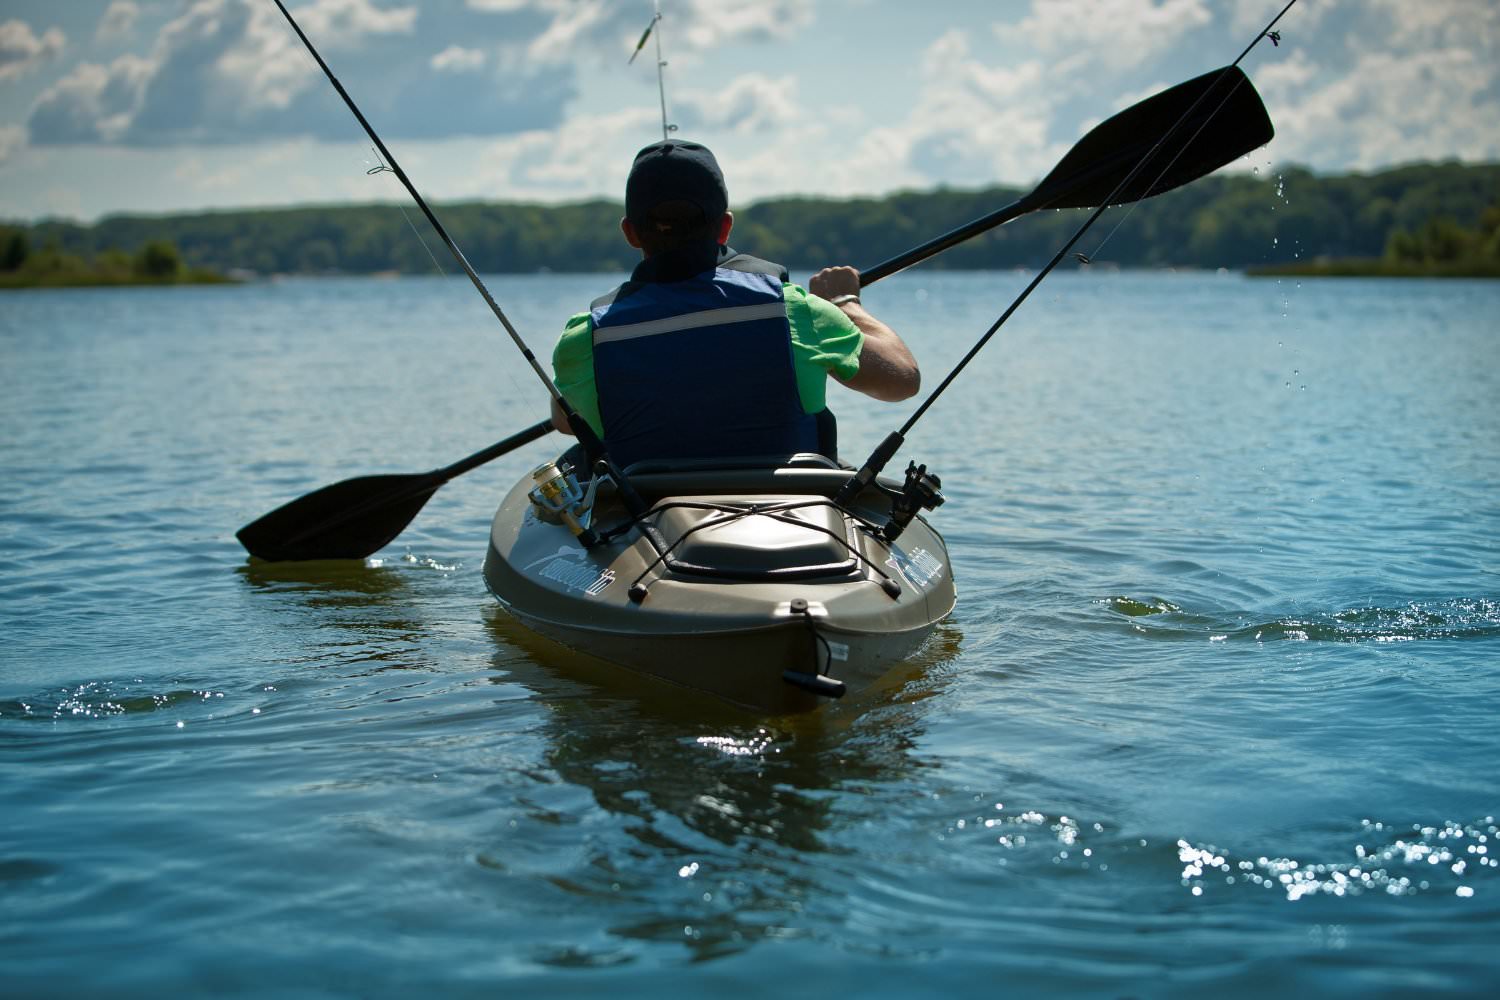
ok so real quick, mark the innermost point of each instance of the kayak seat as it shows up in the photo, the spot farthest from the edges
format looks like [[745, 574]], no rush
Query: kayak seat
[[799, 460]]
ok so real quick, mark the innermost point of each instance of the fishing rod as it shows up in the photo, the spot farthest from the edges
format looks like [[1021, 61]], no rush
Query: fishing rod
[[661, 65], [593, 446], [921, 489]]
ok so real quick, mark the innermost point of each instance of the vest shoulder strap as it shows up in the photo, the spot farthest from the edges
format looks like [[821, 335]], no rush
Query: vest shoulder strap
[[754, 265], [738, 262], [618, 292]]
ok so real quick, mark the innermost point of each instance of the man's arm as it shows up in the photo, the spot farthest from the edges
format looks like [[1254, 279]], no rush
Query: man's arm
[[887, 369]]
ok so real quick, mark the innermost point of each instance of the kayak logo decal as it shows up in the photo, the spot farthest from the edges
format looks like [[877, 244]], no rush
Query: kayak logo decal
[[570, 567], [920, 566]]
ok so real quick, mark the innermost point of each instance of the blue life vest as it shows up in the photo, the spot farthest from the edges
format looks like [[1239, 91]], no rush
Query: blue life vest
[[699, 368]]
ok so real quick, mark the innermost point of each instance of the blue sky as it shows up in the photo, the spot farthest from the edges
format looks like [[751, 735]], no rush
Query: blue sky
[[167, 105]]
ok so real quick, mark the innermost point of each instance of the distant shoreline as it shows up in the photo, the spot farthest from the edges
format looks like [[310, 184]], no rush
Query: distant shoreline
[[10, 282], [1351, 268], [1416, 214]]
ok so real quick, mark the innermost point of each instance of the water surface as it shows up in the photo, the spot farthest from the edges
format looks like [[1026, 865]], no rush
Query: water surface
[[1215, 710]]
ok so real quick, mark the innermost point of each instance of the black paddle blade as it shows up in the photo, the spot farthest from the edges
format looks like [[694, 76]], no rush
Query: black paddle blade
[[348, 520], [1206, 122]]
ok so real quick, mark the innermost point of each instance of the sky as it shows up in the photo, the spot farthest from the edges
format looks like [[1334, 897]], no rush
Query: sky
[[155, 106]]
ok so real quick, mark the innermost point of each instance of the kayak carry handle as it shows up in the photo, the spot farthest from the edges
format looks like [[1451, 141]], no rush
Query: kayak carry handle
[[818, 684]]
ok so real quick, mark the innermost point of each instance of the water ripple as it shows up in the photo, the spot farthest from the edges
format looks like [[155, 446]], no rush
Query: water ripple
[[1457, 618]]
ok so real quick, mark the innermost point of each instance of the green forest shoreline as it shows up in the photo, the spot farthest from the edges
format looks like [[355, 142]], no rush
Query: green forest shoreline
[[1435, 219], [155, 262]]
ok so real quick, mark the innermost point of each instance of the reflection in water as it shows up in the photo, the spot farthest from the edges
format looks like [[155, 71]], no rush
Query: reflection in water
[[352, 582], [358, 611], [726, 828]]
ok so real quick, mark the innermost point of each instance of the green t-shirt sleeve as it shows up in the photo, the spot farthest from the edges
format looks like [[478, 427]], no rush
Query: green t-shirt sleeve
[[824, 340], [573, 369]]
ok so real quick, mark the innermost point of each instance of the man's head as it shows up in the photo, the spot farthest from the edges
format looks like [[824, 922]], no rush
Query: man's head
[[675, 195]]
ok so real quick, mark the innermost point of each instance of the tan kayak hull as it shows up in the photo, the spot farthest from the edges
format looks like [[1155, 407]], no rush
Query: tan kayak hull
[[732, 636]]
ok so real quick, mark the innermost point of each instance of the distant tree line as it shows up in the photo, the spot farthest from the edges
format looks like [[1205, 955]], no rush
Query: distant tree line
[[1235, 221], [154, 262]]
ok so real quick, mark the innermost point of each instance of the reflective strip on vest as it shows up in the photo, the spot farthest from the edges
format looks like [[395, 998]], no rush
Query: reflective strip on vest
[[710, 317]]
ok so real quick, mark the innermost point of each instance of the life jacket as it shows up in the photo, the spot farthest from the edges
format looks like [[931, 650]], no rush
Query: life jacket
[[699, 368]]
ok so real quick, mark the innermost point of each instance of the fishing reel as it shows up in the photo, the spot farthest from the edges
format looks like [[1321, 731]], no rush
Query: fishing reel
[[921, 491], [557, 498]]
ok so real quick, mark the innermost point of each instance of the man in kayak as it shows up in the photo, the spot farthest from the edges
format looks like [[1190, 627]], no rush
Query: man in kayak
[[706, 352]]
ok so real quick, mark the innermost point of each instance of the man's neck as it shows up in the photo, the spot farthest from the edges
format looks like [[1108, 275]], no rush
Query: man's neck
[[681, 263]]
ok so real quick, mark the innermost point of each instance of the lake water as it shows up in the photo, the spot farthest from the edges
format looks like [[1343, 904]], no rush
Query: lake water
[[1216, 712]]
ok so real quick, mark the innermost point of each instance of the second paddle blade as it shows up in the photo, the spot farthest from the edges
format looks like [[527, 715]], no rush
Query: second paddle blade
[[348, 520], [1206, 122]]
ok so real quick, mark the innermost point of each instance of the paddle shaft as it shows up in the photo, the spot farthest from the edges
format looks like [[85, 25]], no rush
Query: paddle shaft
[[936, 246], [494, 451]]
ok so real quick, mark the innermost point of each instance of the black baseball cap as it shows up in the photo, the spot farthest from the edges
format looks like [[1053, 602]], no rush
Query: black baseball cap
[[675, 170]]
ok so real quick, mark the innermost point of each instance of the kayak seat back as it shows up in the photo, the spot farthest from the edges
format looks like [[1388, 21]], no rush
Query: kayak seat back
[[799, 460]]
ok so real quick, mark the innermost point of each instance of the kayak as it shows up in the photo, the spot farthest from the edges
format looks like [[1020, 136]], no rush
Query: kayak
[[742, 580]]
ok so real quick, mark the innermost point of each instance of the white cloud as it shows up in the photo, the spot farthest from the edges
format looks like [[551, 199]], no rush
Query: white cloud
[[711, 24], [586, 154], [1443, 23], [1392, 107], [571, 25], [22, 50], [12, 141], [1116, 34], [353, 19], [754, 102], [91, 104], [690, 28], [972, 124], [457, 59], [1301, 19], [118, 21], [231, 71]]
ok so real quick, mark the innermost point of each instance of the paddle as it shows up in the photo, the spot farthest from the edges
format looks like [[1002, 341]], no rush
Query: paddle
[[1208, 121], [353, 518]]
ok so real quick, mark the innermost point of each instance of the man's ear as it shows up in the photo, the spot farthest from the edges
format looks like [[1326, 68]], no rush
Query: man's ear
[[725, 225], [631, 235]]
